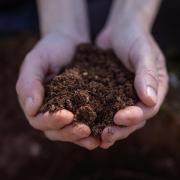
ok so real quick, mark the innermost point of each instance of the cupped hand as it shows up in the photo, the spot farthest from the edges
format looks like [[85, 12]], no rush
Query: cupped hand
[[44, 61], [140, 54]]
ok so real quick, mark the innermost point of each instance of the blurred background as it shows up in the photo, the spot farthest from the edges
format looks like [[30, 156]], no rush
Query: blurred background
[[149, 154]]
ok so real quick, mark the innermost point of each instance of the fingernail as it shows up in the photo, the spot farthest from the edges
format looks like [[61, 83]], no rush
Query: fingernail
[[28, 104], [152, 94]]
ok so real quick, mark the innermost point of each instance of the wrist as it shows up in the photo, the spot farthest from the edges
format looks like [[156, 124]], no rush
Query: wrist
[[142, 12], [64, 36], [63, 17], [66, 32], [125, 27]]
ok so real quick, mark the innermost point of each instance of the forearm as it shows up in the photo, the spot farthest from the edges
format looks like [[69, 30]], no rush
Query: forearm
[[65, 16], [143, 11]]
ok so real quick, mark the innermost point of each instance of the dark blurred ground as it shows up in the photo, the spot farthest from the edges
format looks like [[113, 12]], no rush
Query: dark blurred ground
[[149, 154]]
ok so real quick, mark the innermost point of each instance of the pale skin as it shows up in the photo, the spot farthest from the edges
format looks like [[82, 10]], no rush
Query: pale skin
[[64, 24]]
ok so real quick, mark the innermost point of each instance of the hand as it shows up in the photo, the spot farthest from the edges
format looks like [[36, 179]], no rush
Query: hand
[[140, 54], [45, 60]]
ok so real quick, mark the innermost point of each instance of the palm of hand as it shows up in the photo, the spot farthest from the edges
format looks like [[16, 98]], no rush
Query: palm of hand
[[46, 59], [140, 54]]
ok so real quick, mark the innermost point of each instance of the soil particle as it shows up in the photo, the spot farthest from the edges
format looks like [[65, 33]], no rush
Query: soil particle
[[94, 87]]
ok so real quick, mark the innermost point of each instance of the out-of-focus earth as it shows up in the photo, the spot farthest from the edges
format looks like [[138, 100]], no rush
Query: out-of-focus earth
[[150, 153]]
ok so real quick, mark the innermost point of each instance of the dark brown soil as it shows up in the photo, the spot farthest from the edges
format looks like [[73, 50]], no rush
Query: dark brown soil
[[94, 87]]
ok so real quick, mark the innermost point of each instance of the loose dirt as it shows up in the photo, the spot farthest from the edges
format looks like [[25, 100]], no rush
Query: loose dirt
[[94, 87]]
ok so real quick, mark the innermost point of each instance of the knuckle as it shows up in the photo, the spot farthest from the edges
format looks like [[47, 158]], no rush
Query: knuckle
[[55, 123], [152, 74], [83, 132], [58, 122], [80, 131]]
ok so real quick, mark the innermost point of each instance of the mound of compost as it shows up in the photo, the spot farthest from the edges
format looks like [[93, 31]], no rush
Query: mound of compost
[[94, 87]]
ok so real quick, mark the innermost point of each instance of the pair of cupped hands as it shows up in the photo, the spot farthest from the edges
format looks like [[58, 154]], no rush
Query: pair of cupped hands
[[137, 50]]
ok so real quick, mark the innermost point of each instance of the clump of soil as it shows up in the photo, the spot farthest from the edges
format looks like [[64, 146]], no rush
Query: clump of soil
[[94, 87]]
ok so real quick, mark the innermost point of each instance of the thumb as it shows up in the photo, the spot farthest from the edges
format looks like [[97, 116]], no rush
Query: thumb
[[142, 57], [29, 85]]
